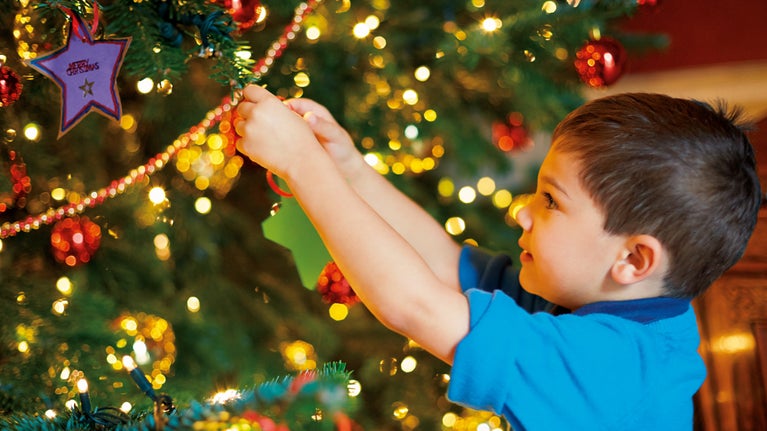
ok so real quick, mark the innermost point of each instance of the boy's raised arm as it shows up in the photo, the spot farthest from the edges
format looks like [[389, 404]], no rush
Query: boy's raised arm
[[387, 272], [412, 222]]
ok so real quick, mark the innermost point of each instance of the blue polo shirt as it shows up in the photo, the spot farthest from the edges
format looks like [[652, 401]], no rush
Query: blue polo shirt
[[623, 365]]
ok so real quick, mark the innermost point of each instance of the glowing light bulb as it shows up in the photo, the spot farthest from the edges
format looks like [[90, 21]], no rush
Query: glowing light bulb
[[486, 186], [203, 205], [225, 396], [85, 399], [157, 195], [361, 30], [338, 311], [145, 86], [193, 304], [354, 387], [467, 194], [411, 131], [491, 24], [502, 199], [410, 96], [549, 7], [243, 54], [408, 364], [422, 73], [32, 132], [126, 407], [455, 226], [64, 285], [372, 22], [313, 33], [138, 376]]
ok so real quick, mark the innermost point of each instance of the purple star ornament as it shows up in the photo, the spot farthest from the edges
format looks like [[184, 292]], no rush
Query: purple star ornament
[[86, 72]]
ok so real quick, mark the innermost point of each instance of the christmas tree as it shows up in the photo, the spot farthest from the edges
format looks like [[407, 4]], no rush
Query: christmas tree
[[141, 234]]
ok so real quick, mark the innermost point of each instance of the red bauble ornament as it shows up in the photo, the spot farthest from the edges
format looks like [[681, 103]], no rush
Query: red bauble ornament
[[75, 240], [244, 12], [512, 135], [20, 184], [10, 86], [600, 62], [334, 288]]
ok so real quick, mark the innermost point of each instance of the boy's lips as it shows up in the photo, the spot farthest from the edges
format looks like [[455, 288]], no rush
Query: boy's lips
[[525, 256]]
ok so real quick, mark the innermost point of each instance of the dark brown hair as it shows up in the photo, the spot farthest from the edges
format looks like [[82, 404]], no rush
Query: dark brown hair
[[680, 170]]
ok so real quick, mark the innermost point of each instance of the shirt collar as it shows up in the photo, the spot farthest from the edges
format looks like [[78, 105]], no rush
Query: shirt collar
[[645, 310]]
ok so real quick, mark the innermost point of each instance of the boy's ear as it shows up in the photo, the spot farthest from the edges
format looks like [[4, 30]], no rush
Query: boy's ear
[[641, 257]]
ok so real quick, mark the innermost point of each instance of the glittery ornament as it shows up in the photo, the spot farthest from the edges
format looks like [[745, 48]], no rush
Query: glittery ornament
[[244, 12], [10, 86], [600, 62], [334, 288], [75, 240]]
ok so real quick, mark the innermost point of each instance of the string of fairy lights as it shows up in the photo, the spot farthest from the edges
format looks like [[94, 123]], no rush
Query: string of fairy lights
[[158, 162], [147, 328], [210, 161]]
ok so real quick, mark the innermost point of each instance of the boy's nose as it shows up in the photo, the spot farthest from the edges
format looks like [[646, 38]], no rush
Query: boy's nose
[[520, 211]]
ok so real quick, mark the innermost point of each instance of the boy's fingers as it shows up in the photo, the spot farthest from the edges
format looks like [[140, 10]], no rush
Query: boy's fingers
[[302, 106], [324, 129], [256, 93], [245, 108]]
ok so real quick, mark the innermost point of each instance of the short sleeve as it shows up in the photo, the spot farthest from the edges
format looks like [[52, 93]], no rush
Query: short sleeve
[[572, 372]]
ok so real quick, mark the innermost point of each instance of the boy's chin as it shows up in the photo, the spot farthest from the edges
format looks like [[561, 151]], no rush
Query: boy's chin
[[528, 285]]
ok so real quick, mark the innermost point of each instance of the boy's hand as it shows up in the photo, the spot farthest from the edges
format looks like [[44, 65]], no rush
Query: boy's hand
[[272, 135], [331, 135]]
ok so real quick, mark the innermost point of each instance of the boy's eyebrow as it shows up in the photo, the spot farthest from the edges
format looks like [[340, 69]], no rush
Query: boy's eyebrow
[[555, 184]]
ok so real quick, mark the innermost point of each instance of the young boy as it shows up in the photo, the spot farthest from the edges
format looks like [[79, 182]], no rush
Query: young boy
[[642, 202]]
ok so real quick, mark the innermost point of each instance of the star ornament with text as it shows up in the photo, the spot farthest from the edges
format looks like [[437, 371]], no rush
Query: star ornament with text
[[86, 72]]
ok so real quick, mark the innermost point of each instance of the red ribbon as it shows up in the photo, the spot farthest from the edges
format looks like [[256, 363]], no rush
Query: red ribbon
[[276, 187], [76, 21]]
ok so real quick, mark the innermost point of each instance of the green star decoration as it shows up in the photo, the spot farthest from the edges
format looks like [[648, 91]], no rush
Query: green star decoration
[[291, 228]]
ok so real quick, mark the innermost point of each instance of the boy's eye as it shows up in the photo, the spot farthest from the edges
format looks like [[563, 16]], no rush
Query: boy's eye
[[550, 203]]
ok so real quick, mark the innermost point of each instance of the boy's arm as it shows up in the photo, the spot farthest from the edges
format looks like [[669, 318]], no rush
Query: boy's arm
[[409, 219], [387, 272]]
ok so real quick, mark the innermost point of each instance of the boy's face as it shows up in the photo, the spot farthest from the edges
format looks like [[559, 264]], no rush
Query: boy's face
[[567, 255]]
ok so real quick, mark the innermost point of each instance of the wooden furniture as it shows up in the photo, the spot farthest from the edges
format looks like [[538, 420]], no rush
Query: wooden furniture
[[733, 324]]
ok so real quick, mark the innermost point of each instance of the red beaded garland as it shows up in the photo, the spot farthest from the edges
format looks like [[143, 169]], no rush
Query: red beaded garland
[[9, 229]]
